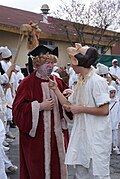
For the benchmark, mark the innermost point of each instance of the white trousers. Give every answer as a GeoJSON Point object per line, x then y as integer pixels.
{"type": "Point", "coordinates": [2, 166]}
{"type": "Point", "coordinates": [87, 173]}
{"type": "Point", "coordinates": [2, 163]}
{"type": "Point", "coordinates": [115, 137]}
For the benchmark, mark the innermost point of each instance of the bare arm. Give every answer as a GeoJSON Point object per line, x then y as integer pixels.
{"type": "Point", "coordinates": [103, 110]}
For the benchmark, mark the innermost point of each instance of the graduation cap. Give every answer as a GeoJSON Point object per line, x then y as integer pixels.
{"type": "Point", "coordinates": [41, 50]}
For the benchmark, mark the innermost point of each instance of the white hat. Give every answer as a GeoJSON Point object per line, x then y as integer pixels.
{"type": "Point", "coordinates": [114, 60]}
{"type": "Point", "coordinates": [6, 53]}
{"type": "Point", "coordinates": [102, 69]}
{"type": "Point", "coordinates": [111, 88]}
{"type": "Point", "coordinates": [17, 68]}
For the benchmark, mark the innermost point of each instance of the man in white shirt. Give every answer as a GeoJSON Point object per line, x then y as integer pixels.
{"type": "Point", "coordinates": [91, 137]}
{"type": "Point", "coordinates": [115, 69]}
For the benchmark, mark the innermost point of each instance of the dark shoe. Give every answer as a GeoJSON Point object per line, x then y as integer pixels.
{"type": "Point", "coordinates": [12, 125]}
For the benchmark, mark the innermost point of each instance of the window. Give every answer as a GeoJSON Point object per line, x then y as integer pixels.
{"type": "Point", "coordinates": [45, 42]}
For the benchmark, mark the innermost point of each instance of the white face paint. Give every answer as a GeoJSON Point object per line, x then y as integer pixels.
{"type": "Point", "coordinates": [46, 69]}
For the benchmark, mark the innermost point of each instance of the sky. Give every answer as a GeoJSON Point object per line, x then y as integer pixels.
{"type": "Point", "coordinates": [33, 5]}
{"type": "Point", "coordinates": [30, 5]}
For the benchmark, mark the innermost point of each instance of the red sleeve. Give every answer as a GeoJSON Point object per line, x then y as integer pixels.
{"type": "Point", "coordinates": [22, 112]}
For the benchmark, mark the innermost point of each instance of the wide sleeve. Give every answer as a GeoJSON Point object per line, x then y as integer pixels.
{"type": "Point", "coordinates": [22, 110]}
{"type": "Point", "coordinates": [100, 92]}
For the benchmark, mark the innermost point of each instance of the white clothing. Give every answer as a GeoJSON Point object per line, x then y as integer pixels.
{"type": "Point", "coordinates": [115, 71]}
{"type": "Point", "coordinates": [9, 98]}
{"type": "Point", "coordinates": [91, 136]}
{"type": "Point", "coordinates": [2, 132]}
{"type": "Point", "coordinates": [87, 173]}
{"type": "Point", "coordinates": [18, 77]}
{"type": "Point", "coordinates": [115, 140]}
{"type": "Point", "coordinates": [2, 167]}
{"type": "Point", "coordinates": [71, 73]}
{"type": "Point", "coordinates": [56, 74]}
{"type": "Point", "coordinates": [7, 162]}
{"type": "Point", "coordinates": [2, 164]}
{"type": "Point", "coordinates": [3, 108]}
{"type": "Point", "coordinates": [114, 112]}
{"type": "Point", "coordinates": [4, 78]}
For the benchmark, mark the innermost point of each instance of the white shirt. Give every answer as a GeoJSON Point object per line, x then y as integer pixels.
{"type": "Point", "coordinates": [91, 136]}
{"type": "Point", "coordinates": [114, 112]}
{"type": "Point", "coordinates": [115, 71]}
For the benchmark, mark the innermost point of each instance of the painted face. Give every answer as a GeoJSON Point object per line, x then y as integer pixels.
{"type": "Point", "coordinates": [46, 68]}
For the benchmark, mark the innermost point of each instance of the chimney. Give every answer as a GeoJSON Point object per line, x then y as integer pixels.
{"type": "Point", "coordinates": [45, 9]}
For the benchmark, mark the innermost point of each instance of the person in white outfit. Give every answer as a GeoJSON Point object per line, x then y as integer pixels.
{"type": "Point", "coordinates": [6, 55]}
{"type": "Point", "coordinates": [115, 118]}
{"type": "Point", "coordinates": [103, 71]}
{"type": "Point", "coordinates": [5, 163]}
{"type": "Point", "coordinates": [18, 76]}
{"type": "Point", "coordinates": [115, 69]}
{"type": "Point", "coordinates": [91, 137]}
{"type": "Point", "coordinates": [72, 75]}
{"type": "Point", "coordinates": [2, 163]}
{"type": "Point", "coordinates": [55, 71]}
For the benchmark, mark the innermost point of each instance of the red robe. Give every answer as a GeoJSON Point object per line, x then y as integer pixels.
{"type": "Point", "coordinates": [41, 156]}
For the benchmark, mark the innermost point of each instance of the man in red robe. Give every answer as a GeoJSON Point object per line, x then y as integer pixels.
{"type": "Point", "coordinates": [39, 117]}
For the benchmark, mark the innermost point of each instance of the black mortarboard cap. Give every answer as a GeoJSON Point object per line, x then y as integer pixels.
{"type": "Point", "coordinates": [43, 49]}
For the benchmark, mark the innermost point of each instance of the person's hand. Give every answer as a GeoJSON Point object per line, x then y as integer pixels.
{"type": "Point", "coordinates": [67, 107]}
{"type": "Point", "coordinates": [6, 85]}
{"type": "Point", "coordinates": [67, 92]}
{"type": "Point", "coordinates": [52, 84]}
{"type": "Point", "coordinates": [47, 105]}
{"type": "Point", "coordinates": [75, 109]}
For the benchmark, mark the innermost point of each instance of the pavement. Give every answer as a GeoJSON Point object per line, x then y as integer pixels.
{"type": "Point", "coordinates": [13, 155]}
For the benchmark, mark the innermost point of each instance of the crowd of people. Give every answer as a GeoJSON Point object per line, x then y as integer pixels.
{"type": "Point", "coordinates": [43, 103]}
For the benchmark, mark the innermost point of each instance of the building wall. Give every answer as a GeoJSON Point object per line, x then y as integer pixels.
{"type": "Point", "coordinates": [11, 40]}
{"type": "Point", "coordinates": [63, 58]}
{"type": "Point", "coordinates": [116, 49]}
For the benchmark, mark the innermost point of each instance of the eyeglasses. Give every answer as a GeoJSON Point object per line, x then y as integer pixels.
{"type": "Point", "coordinates": [104, 75]}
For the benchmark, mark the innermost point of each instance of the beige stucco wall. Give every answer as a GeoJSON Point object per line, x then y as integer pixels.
{"type": "Point", "coordinates": [63, 57]}
{"type": "Point", "coordinates": [108, 52]}
{"type": "Point", "coordinates": [11, 40]}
